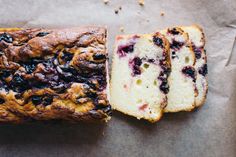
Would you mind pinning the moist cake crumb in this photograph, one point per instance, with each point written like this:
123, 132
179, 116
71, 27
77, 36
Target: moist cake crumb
105, 1
141, 2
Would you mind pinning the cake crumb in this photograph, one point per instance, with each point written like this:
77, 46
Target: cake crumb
116, 11
122, 29
105, 1
141, 2
162, 13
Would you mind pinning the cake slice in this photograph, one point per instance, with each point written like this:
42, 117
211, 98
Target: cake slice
197, 38
53, 74
183, 91
140, 71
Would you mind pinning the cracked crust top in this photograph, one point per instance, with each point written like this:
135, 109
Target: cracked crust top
53, 74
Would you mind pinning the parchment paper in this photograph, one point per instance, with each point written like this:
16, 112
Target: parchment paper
210, 131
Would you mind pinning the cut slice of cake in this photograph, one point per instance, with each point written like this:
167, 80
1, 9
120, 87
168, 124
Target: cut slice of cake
181, 96
197, 38
140, 70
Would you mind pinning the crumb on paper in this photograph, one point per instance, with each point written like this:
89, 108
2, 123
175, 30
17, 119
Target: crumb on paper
105, 1
162, 13
120, 7
122, 29
141, 2
116, 11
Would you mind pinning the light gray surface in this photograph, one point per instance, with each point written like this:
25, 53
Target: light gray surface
209, 131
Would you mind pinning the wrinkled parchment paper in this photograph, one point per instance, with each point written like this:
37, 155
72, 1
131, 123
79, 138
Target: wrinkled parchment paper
210, 131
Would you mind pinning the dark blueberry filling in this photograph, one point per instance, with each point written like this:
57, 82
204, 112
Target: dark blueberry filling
151, 60
42, 99
173, 55
124, 49
18, 83
53, 75
2, 101
203, 70
136, 71
47, 100
164, 87
18, 96
167, 71
137, 61
3, 85
135, 66
98, 56
158, 41
36, 100
67, 56
197, 52
5, 73
173, 31
107, 109
30, 66
6, 37
176, 45
91, 95
42, 34
190, 72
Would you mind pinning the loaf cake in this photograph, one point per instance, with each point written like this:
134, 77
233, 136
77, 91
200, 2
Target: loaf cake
140, 71
183, 91
53, 74
197, 39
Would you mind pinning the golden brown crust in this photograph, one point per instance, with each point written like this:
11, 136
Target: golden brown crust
53, 74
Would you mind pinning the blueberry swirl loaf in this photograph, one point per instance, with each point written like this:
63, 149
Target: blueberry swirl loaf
53, 74
140, 70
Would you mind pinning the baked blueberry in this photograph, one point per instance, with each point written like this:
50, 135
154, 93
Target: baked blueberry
197, 52
18, 83
36, 100
42, 34
189, 71
6, 37
2, 100
124, 49
135, 64
158, 41
66, 56
164, 87
99, 56
173, 31
176, 45
203, 70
